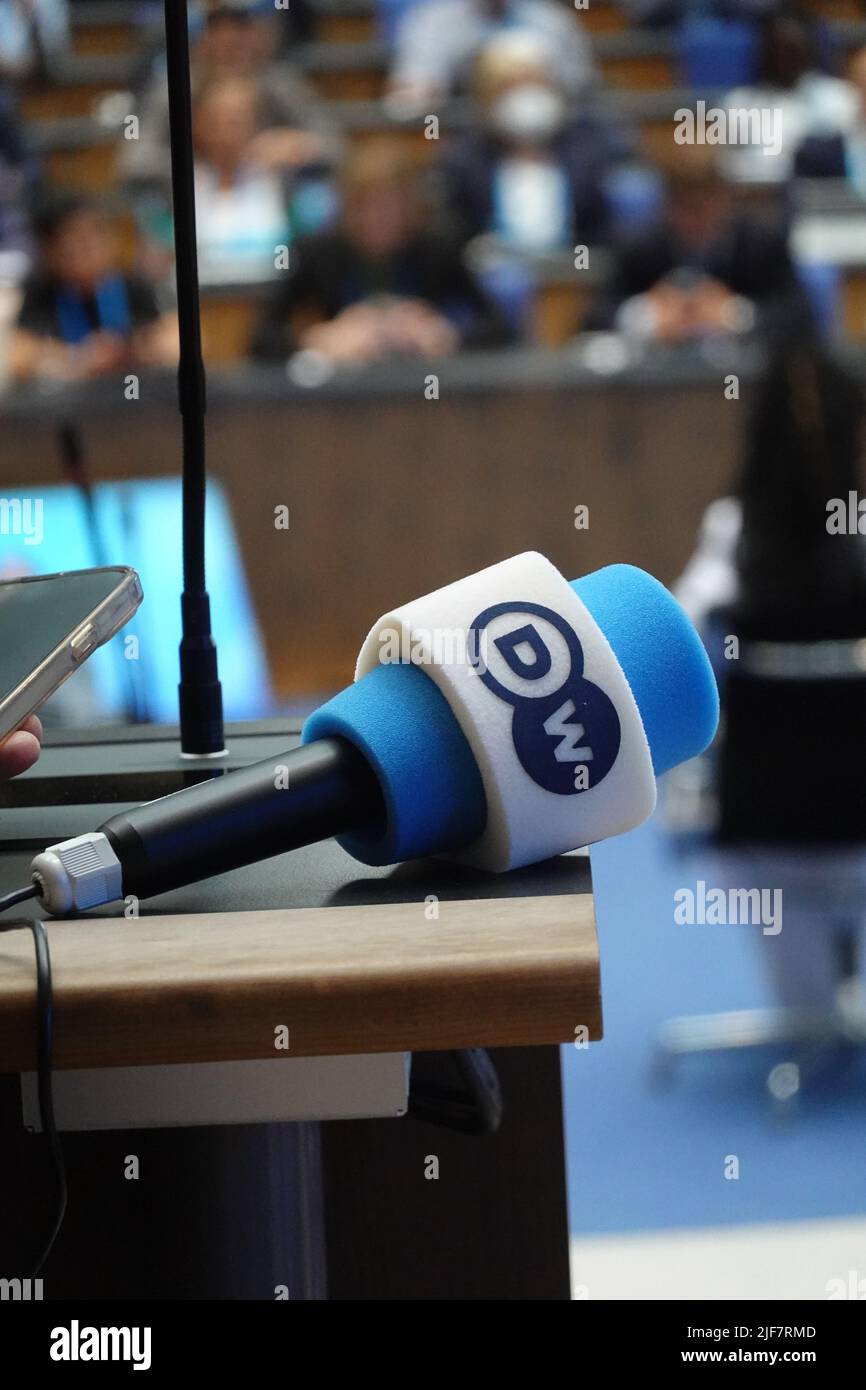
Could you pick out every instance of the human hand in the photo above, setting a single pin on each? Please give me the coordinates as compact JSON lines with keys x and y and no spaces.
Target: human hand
{"x":101,"y":353}
{"x":411,"y":97}
{"x":671,"y":312}
{"x":21,"y":749}
{"x":414,"y":326}
{"x":715,"y":309}
{"x":282,"y":148}
{"x":354,"y":336}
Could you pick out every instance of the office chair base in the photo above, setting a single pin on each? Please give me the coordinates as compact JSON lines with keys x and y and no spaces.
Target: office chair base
{"x":817,"y":1038}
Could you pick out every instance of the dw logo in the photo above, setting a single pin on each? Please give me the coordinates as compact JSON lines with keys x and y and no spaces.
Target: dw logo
{"x":566,"y":730}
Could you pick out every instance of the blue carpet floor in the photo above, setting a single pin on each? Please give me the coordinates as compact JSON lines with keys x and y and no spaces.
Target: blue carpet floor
{"x":642,"y":1157}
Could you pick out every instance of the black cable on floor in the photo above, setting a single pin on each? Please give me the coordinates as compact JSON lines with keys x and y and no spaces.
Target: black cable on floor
{"x":45,"y":1044}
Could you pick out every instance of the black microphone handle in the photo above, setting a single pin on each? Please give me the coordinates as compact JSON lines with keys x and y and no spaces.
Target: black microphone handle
{"x":304,"y":795}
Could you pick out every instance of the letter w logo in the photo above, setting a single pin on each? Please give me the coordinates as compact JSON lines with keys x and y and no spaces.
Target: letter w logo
{"x":557,"y":726}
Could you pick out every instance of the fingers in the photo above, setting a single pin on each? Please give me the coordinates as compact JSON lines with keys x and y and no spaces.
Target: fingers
{"x":21,"y":749}
{"x":19,"y":752}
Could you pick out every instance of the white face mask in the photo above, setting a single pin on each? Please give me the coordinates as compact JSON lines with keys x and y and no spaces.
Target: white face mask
{"x":529,"y":112}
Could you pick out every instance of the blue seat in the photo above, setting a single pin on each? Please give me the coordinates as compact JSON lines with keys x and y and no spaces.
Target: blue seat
{"x":510,"y":283}
{"x":717,"y":53}
{"x":823,"y":285}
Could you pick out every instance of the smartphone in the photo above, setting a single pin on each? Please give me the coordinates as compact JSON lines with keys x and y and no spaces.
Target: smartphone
{"x":49,"y":625}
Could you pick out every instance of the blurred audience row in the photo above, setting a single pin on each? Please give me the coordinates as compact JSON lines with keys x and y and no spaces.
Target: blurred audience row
{"x":366,"y":251}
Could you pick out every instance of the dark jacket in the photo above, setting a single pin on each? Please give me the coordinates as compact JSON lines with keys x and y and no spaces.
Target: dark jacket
{"x":18,"y":175}
{"x":585,"y":151}
{"x":328,"y":275}
{"x":821,"y":157}
{"x":749,"y":256}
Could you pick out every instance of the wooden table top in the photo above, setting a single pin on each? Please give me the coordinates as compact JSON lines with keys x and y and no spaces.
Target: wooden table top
{"x":329,"y":981}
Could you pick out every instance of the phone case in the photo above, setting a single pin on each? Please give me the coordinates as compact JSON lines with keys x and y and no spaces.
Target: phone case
{"x":91,"y":632}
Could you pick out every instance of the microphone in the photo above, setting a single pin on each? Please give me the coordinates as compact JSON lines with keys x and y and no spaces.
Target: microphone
{"x":501,"y":720}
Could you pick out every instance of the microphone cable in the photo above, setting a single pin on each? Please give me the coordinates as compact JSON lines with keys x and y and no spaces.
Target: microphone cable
{"x":44,"y":1047}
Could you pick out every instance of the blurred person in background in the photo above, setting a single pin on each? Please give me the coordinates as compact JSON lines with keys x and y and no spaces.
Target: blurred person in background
{"x":767,"y":552}
{"x":705,"y":268}
{"x":438,"y":42}
{"x":18,"y":176}
{"x":383,"y":283}
{"x":81,"y":315}
{"x":804,"y":101}
{"x":240,"y":41}
{"x":34,"y":34}
{"x":791,"y":759}
{"x":797,"y":578}
{"x":841,"y":155}
{"x":533,"y":171}
{"x":241,"y":203}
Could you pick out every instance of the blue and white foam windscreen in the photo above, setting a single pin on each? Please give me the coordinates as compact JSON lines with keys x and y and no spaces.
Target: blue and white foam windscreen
{"x":543,"y":730}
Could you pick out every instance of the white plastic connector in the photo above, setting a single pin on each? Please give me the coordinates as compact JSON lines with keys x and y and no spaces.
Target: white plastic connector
{"x":78,"y":874}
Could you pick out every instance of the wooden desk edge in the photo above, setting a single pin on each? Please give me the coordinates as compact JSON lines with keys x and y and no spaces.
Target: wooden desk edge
{"x":494,"y":972}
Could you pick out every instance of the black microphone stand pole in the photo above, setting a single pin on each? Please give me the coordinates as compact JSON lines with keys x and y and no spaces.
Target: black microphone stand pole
{"x":200,"y":693}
